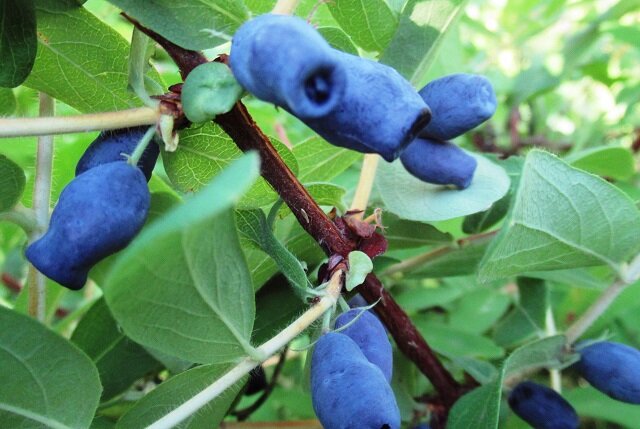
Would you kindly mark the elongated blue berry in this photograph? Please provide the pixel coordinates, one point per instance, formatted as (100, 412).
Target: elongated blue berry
(348, 391)
(370, 335)
(380, 111)
(284, 60)
(110, 145)
(612, 368)
(98, 213)
(542, 407)
(459, 103)
(439, 163)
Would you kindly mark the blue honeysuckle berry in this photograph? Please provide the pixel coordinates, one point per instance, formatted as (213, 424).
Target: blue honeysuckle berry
(348, 391)
(284, 60)
(612, 368)
(110, 145)
(459, 103)
(370, 335)
(352, 102)
(380, 111)
(542, 407)
(98, 213)
(441, 163)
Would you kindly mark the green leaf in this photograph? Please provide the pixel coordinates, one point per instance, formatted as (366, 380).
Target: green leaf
(478, 310)
(359, 266)
(370, 24)
(44, 379)
(414, 44)
(319, 161)
(81, 60)
(614, 162)
(338, 39)
(453, 342)
(562, 218)
(7, 102)
(193, 25)
(17, 41)
(527, 318)
(591, 403)
(478, 408)
(209, 90)
(479, 222)
(253, 227)
(119, 360)
(205, 151)
(421, 297)
(276, 307)
(534, 81)
(12, 181)
(199, 305)
(289, 232)
(173, 392)
(421, 201)
(405, 234)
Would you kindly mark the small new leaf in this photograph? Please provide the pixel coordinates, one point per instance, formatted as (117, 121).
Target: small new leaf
(359, 266)
(210, 90)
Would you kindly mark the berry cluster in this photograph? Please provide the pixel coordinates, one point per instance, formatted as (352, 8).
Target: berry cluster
(612, 368)
(350, 375)
(361, 104)
(99, 212)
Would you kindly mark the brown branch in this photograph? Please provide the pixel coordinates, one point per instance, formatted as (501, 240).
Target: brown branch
(239, 125)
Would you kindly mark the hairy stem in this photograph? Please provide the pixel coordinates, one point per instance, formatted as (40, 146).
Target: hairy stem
(46, 126)
(285, 7)
(41, 202)
(24, 217)
(245, 413)
(269, 348)
(365, 184)
(142, 146)
(596, 309)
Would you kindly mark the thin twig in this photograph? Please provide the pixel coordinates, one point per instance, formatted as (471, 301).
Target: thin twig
(45, 126)
(419, 260)
(603, 302)
(245, 413)
(551, 330)
(365, 184)
(41, 202)
(285, 7)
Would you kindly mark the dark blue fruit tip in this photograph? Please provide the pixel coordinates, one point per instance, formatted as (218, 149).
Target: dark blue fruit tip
(285, 61)
(459, 103)
(542, 407)
(110, 145)
(613, 368)
(439, 163)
